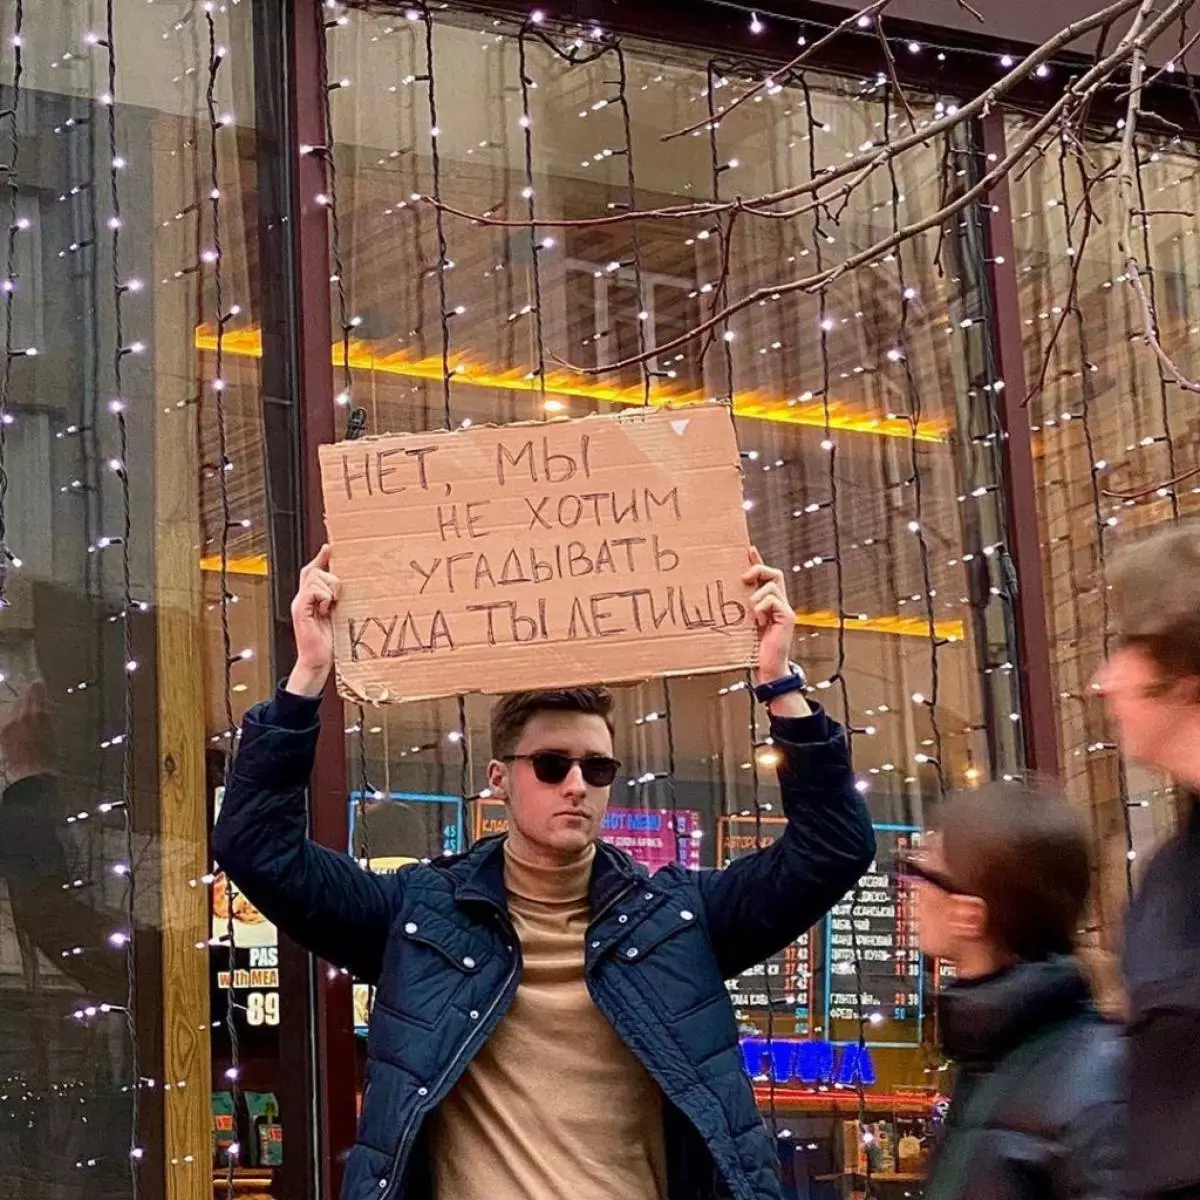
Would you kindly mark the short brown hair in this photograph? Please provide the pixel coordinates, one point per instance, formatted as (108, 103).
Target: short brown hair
(513, 712)
(1156, 600)
(1024, 851)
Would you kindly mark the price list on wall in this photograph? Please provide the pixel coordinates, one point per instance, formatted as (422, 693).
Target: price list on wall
(873, 964)
(776, 996)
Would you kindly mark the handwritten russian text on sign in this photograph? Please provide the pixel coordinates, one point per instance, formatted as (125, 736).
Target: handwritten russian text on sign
(523, 556)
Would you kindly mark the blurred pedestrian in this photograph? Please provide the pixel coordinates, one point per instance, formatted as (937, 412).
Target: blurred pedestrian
(1036, 1110)
(1151, 688)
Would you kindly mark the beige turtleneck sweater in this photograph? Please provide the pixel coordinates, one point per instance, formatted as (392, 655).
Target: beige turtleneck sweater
(555, 1106)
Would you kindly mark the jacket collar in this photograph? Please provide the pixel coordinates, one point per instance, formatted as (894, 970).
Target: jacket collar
(479, 874)
(983, 1019)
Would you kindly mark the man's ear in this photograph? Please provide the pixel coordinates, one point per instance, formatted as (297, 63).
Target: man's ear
(968, 918)
(497, 774)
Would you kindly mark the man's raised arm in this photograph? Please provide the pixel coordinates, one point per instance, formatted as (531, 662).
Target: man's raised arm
(319, 897)
(762, 902)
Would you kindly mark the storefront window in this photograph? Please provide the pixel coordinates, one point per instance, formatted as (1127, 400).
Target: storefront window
(1114, 442)
(138, 606)
(866, 422)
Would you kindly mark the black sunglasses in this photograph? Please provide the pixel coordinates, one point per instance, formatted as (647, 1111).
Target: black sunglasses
(549, 766)
(912, 869)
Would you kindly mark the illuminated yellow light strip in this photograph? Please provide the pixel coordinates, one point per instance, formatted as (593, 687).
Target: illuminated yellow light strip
(950, 631)
(247, 343)
(252, 564)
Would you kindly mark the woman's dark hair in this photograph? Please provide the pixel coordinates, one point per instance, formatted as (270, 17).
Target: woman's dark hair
(513, 712)
(1024, 851)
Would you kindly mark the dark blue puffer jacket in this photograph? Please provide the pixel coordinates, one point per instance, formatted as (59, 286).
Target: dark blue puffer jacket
(437, 941)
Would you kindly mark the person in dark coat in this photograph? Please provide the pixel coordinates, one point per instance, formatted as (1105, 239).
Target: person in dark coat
(550, 1021)
(1151, 689)
(1036, 1111)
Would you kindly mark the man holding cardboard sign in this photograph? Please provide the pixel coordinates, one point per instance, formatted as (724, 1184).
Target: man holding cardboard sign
(551, 1022)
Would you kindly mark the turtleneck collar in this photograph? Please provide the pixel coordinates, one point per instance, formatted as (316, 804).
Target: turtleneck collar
(983, 1019)
(561, 884)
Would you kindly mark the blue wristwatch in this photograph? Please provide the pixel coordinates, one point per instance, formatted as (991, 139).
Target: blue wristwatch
(794, 681)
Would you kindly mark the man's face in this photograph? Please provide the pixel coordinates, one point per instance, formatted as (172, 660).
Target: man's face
(950, 923)
(1152, 723)
(561, 818)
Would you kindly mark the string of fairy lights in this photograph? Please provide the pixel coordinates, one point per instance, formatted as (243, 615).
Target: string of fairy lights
(96, 205)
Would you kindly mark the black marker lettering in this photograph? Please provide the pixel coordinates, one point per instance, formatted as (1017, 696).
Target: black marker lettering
(452, 562)
(579, 627)
(439, 631)
(513, 571)
(600, 613)
(671, 499)
(421, 454)
(483, 570)
(473, 518)
(578, 560)
(448, 522)
(535, 510)
(733, 612)
(665, 559)
(628, 544)
(425, 575)
(701, 616)
(385, 470)
(570, 506)
(351, 477)
(503, 456)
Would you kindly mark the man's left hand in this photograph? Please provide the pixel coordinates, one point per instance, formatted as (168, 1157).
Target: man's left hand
(774, 616)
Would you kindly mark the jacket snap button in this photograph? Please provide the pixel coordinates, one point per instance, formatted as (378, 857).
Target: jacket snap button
(422, 1091)
(595, 945)
(468, 962)
(382, 1184)
(687, 914)
(648, 896)
(474, 1014)
(622, 919)
(631, 952)
(411, 927)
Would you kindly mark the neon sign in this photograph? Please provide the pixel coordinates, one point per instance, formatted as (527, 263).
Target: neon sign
(786, 1060)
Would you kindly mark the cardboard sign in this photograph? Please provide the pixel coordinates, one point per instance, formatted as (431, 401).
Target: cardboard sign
(497, 559)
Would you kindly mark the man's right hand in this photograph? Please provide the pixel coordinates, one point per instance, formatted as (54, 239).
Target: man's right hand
(312, 623)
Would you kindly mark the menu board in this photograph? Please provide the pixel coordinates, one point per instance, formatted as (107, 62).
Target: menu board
(775, 996)
(653, 837)
(873, 963)
(245, 953)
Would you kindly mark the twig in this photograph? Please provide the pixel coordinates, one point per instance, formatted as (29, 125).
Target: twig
(970, 8)
(713, 120)
(890, 62)
(1177, 60)
(1142, 493)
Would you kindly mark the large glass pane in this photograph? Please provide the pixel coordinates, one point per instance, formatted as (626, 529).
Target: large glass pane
(137, 618)
(1115, 440)
(866, 421)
